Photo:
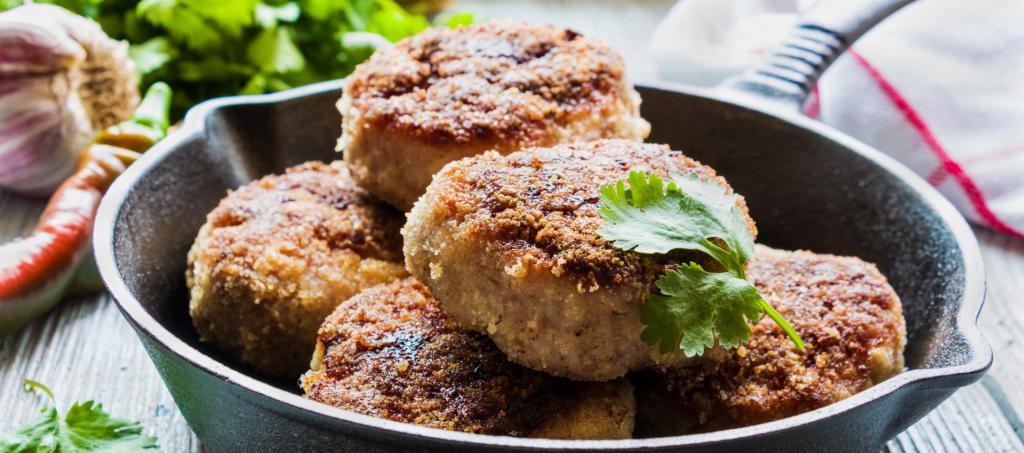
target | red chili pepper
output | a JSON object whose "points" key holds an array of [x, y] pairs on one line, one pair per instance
{"points": [[37, 268]]}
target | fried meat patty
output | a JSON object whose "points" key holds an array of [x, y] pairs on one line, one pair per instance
{"points": [[392, 352], [510, 246], [277, 255], [445, 94], [851, 322]]}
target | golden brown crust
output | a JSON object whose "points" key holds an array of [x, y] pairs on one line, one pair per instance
{"points": [[276, 256], [392, 352], [502, 83], [849, 318], [539, 207], [598, 410], [510, 245], [345, 216]]}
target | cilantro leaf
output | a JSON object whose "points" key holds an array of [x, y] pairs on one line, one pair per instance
{"points": [[231, 16], [274, 51], [85, 428], [183, 24], [88, 428], [152, 55], [650, 217], [38, 436], [268, 16], [394, 23], [456, 19], [695, 307], [729, 220], [322, 10], [201, 25]]}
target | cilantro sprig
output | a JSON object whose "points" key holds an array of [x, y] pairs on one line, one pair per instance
{"points": [[85, 428], [693, 307], [206, 49]]}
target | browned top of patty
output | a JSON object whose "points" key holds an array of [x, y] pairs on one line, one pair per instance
{"points": [[843, 309], [392, 352], [539, 207], [311, 199], [498, 82]]}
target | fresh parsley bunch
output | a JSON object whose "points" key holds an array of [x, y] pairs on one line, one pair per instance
{"points": [[84, 428], [205, 49], [694, 307]]}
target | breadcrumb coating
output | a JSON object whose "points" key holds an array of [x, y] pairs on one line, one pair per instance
{"points": [[277, 255], [510, 245], [539, 208], [498, 82], [446, 94], [852, 325], [392, 352]]}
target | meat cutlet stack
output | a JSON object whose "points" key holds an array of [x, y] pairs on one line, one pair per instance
{"points": [[277, 255], [519, 318], [510, 246], [393, 352], [279, 250], [445, 94]]}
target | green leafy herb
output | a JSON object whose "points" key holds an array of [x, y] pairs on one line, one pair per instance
{"points": [[393, 22], [85, 428], [456, 19], [269, 16], [273, 51], [190, 25], [695, 307], [206, 48], [153, 54]]}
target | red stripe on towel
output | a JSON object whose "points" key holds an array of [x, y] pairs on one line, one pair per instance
{"points": [[952, 167], [812, 107], [939, 174]]}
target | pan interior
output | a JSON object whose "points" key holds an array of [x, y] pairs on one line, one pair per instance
{"points": [[805, 191]]}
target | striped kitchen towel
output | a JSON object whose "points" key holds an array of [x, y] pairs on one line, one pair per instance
{"points": [[939, 86]]}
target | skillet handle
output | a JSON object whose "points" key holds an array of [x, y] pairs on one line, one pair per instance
{"points": [[786, 75]]}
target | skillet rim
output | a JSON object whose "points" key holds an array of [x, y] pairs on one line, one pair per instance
{"points": [[258, 392]]}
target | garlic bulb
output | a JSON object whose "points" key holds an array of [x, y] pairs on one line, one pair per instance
{"points": [[62, 80]]}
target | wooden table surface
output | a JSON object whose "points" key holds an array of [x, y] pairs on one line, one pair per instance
{"points": [[85, 350]]}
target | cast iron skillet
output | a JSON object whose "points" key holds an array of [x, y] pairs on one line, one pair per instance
{"points": [[807, 185]]}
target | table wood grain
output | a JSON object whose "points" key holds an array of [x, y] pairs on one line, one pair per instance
{"points": [[85, 350]]}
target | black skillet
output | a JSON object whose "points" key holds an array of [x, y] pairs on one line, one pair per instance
{"points": [[807, 185]]}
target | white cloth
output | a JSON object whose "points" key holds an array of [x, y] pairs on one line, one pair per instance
{"points": [[939, 86]]}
